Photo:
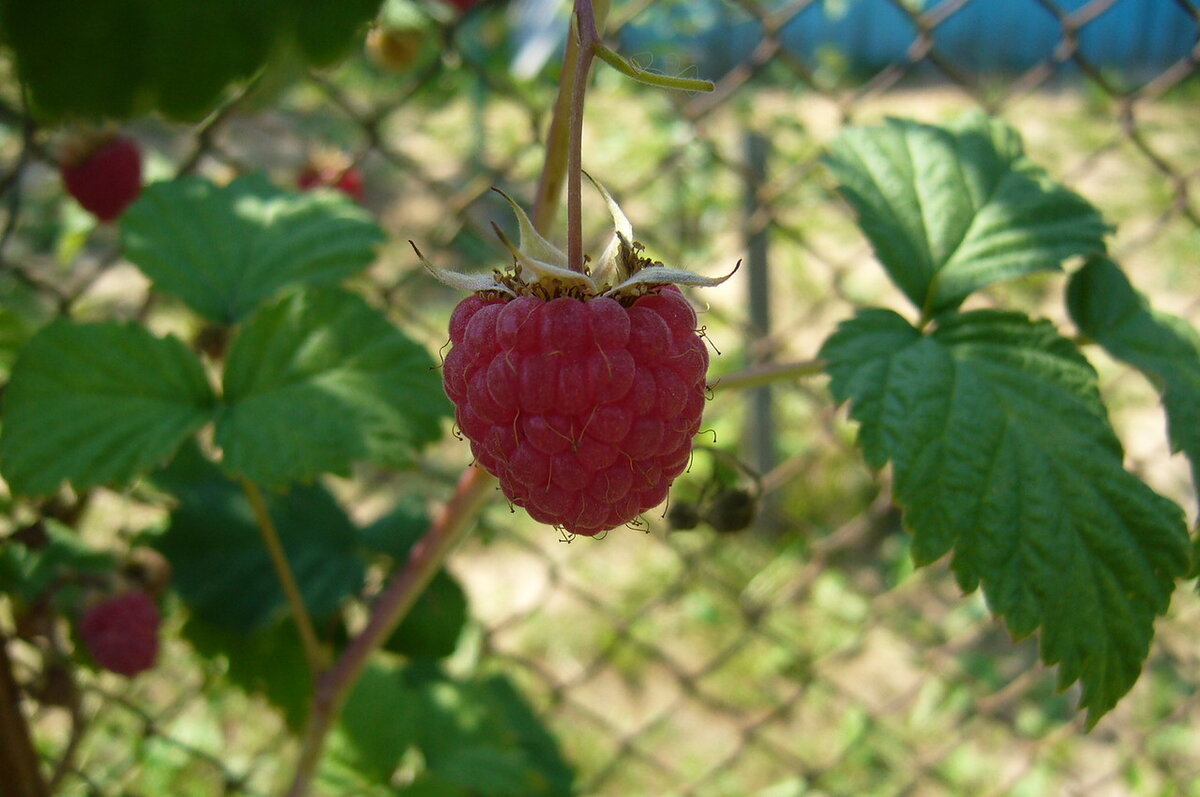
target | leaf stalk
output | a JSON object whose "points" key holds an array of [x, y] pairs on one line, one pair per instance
{"points": [[766, 374], [314, 654], [587, 38], [629, 69]]}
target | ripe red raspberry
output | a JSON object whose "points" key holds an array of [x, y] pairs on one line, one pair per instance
{"points": [[121, 632], [104, 175], [580, 392], [583, 409]]}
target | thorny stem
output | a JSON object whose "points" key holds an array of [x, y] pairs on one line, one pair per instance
{"points": [[334, 686], [313, 653], [20, 773]]}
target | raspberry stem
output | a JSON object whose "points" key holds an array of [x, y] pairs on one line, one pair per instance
{"points": [[587, 38], [554, 170], [18, 759], [558, 137]]}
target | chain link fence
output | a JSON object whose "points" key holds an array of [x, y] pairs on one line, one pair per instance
{"points": [[803, 655]]}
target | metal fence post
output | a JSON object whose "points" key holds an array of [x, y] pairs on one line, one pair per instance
{"points": [[760, 418]]}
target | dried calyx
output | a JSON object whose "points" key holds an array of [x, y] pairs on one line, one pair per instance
{"points": [[541, 269]]}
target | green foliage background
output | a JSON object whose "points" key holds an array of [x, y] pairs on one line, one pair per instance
{"points": [[750, 630]]}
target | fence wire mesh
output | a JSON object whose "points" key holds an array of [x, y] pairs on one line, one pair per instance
{"points": [[802, 656]]}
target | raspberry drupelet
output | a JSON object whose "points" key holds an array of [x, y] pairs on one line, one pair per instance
{"points": [[581, 393]]}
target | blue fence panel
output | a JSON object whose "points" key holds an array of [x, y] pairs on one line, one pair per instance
{"points": [[983, 36]]}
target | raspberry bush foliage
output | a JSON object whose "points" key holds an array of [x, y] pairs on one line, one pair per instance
{"points": [[313, 379], [578, 384], [119, 58], [1000, 445]]}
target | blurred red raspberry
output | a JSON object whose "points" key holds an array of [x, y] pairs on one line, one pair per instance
{"points": [[121, 632], [104, 175]]}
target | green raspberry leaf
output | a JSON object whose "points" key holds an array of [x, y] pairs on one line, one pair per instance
{"points": [[429, 784], [319, 380], [219, 564], [483, 737], [121, 58], [20, 317], [1002, 452], [98, 404], [1163, 347], [398, 531], [377, 726], [31, 574], [433, 625], [225, 249], [269, 662], [326, 31], [860, 358], [950, 210]]}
